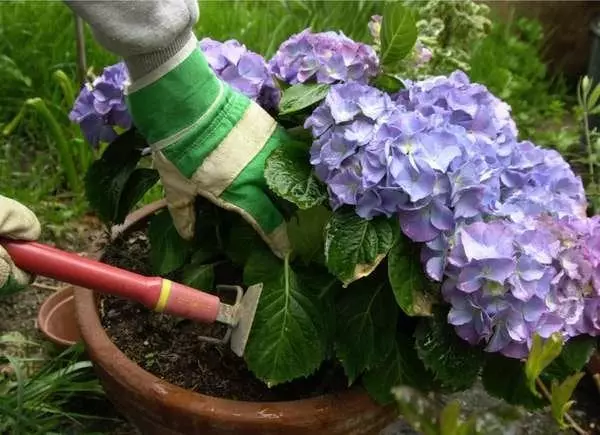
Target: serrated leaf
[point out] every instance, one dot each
(455, 363)
(408, 280)
(199, 276)
(561, 393)
(168, 250)
(140, 181)
(326, 287)
(366, 326)
(107, 177)
(542, 353)
(401, 367)
(306, 231)
(577, 351)
(497, 370)
(398, 33)
(300, 96)
(354, 247)
(289, 175)
(288, 338)
(594, 97)
(262, 266)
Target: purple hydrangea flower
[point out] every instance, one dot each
(100, 106)
(244, 70)
(542, 281)
(326, 57)
(502, 222)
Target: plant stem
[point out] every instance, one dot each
(588, 141)
(568, 417)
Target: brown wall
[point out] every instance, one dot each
(566, 25)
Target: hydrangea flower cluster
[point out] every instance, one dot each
(444, 157)
(243, 69)
(507, 280)
(326, 57)
(100, 106)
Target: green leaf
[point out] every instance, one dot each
(354, 247)
(199, 276)
(306, 231)
(107, 177)
(388, 83)
(595, 111)
(168, 250)
(288, 339)
(450, 418)
(504, 378)
(300, 96)
(418, 409)
(242, 241)
(542, 353)
(455, 363)
(140, 181)
(401, 367)
(594, 97)
(366, 326)
(577, 351)
(398, 33)
(561, 393)
(407, 279)
(261, 266)
(326, 287)
(289, 175)
(9, 69)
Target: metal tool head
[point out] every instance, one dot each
(246, 313)
(238, 317)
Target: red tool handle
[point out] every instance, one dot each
(156, 293)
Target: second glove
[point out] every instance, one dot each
(16, 222)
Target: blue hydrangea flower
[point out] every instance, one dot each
(243, 69)
(549, 288)
(501, 221)
(100, 106)
(326, 57)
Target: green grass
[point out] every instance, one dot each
(40, 395)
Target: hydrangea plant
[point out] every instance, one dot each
(431, 244)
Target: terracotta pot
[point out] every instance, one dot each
(158, 407)
(56, 318)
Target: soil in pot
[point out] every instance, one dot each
(169, 348)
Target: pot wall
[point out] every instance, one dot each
(159, 408)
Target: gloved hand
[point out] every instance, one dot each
(206, 138)
(16, 222)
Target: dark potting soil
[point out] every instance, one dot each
(169, 347)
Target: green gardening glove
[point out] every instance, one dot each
(206, 138)
(16, 222)
(212, 141)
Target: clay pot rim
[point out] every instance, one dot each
(48, 309)
(105, 353)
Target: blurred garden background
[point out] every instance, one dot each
(530, 54)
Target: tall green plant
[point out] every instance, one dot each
(75, 156)
(39, 396)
